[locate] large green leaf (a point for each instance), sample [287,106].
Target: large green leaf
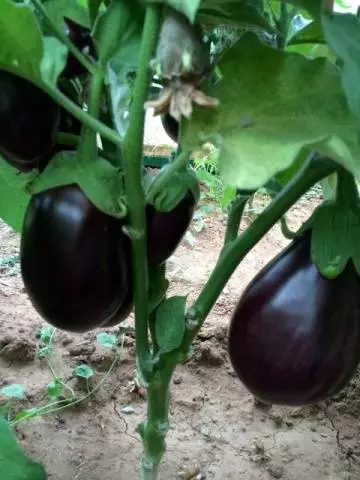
[187,7]
[312,6]
[342,32]
[237,14]
[76,11]
[23,50]
[13,195]
[116,26]
[14,464]
[170,323]
[20,39]
[312,33]
[272,105]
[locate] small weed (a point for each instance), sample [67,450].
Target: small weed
[59,393]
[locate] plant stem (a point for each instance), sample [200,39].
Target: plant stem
[283,26]
[154,430]
[161,181]
[310,173]
[71,107]
[285,230]
[234,219]
[87,150]
[62,37]
[133,152]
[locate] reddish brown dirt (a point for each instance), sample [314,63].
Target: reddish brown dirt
[217,432]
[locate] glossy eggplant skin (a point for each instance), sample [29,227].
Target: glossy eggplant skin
[171,127]
[124,311]
[81,37]
[29,121]
[74,260]
[165,230]
[294,337]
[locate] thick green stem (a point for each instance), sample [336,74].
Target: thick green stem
[154,430]
[133,152]
[283,26]
[62,37]
[71,107]
[235,251]
[87,150]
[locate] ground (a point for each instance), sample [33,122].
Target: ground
[217,431]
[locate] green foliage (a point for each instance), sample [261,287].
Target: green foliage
[83,371]
[17,21]
[13,195]
[336,230]
[187,7]
[342,32]
[106,340]
[54,389]
[170,324]
[158,286]
[14,464]
[58,9]
[273,104]
[12,391]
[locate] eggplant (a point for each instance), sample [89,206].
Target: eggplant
[75,261]
[165,230]
[294,337]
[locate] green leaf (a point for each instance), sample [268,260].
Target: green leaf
[115,26]
[54,60]
[170,324]
[176,188]
[158,286]
[335,238]
[20,39]
[54,388]
[273,104]
[106,340]
[83,371]
[342,32]
[94,7]
[58,9]
[13,195]
[120,70]
[27,413]
[46,334]
[312,33]
[328,186]
[14,464]
[188,7]
[312,6]
[101,182]
[237,13]
[13,391]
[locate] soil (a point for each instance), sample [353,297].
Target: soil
[217,431]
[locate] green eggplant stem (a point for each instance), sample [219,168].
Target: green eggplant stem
[87,149]
[133,154]
[235,251]
[236,211]
[60,34]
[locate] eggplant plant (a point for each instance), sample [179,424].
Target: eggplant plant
[279,102]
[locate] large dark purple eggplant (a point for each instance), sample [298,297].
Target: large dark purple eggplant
[75,261]
[294,337]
